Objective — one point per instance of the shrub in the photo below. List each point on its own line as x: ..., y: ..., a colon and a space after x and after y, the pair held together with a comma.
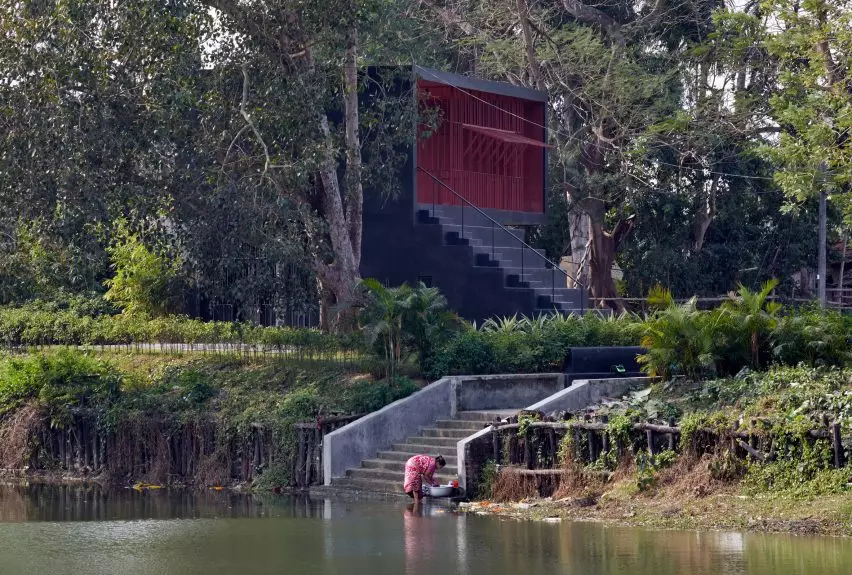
x: 401, y: 321
x: 366, y: 395
x: 679, y: 340
x: 62, y: 382
x: 813, y: 337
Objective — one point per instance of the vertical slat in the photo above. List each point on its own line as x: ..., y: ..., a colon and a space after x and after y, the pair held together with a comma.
x: 839, y: 456
x: 650, y: 436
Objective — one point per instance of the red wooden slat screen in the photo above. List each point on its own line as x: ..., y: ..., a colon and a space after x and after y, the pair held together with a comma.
x: 488, y: 172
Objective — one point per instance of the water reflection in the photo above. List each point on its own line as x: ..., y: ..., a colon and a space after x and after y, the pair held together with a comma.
x: 54, y: 531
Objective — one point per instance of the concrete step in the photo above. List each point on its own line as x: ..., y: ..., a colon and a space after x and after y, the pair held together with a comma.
x: 403, y: 456
x: 389, y: 475
x: 445, y: 432
x: 399, y: 466
x: 434, y: 441
x: 483, y: 234
x: 426, y: 448
x: 471, y: 425
x: 361, y: 484
x: 486, y: 416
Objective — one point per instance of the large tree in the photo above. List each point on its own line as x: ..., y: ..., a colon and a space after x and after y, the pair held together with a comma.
x: 229, y: 131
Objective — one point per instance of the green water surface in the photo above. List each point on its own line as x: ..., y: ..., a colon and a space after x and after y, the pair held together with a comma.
x: 53, y: 531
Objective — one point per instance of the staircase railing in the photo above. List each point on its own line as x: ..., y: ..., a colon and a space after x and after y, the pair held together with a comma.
x: 524, y: 246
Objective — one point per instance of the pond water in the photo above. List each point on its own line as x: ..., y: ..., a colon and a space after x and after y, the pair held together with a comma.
x: 51, y: 531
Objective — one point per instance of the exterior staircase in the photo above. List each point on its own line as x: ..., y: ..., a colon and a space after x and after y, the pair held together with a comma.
x: 525, y: 270
x: 385, y: 473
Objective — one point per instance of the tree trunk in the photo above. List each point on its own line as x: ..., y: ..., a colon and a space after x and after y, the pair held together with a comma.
x: 342, y: 275
x: 705, y: 214
x: 526, y: 29
x: 579, y: 229
x: 604, y: 246
x: 354, y: 189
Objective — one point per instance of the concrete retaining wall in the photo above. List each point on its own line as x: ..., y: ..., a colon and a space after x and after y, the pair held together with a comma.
x: 361, y: 439
x: 478, y: 393
x: 474, y: 451
x: 585, y: 392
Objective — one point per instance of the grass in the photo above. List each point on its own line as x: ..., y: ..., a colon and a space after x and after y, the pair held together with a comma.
x: 185, y: 399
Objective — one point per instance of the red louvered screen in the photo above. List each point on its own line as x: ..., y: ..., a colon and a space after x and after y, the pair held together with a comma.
x: 488, y: 147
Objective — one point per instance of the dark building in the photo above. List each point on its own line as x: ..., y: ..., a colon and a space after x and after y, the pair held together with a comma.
x: 469, y: 191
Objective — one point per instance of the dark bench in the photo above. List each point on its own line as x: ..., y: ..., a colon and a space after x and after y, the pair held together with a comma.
x: 601, y: 362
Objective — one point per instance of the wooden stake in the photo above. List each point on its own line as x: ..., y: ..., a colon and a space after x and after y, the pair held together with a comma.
x: 839, y: 456
x: 672, y: 443
x: 495, y: 444
x: 592, y: 441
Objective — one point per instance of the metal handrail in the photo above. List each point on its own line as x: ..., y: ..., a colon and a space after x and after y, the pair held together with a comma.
x: 494, y: 222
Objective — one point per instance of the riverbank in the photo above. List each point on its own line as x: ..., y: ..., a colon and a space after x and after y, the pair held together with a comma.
x: 727, y: 510
x: 765, y: 451
x: 194, y: 420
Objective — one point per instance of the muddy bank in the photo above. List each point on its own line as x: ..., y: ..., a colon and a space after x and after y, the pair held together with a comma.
x: 726, y: 509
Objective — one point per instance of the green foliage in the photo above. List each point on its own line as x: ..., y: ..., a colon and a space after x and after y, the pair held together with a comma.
x: 525, y: 345
x: 802, y: 470
x: 524, y: 422
x: 566, y: 449
x: 813, y: 337
x: 144, y: 282
x: 679, y: 340
x: 747, y: 331
x: 366, y: 395
x: 62, y: 383
x: 38, y: 324
x: 753, y: 318
x: 812, y: 44
x: 619, y: 428
x: 648, y: 466
x: 403, y: 320
x: 487, y: 481
x: 275, y: 476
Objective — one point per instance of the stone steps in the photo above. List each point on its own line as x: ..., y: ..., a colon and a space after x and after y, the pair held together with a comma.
x: 436, y: 442
x: 441, y: 432
x: 403, y: 456
x: 390, y: 475
x: 460, y: 424
x: 399, y: 466
x: 385, y: 472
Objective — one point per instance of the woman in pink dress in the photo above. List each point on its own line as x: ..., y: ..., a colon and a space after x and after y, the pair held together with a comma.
x: 418, y: 468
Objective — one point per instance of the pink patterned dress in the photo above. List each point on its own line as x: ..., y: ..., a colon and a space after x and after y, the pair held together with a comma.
x: 415, y: 468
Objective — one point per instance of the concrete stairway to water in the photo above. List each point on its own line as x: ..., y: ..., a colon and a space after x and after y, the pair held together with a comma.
x: 385, y: 473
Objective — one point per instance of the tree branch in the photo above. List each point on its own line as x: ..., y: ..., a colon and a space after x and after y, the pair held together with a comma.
x: 247, y: 117
x: 449, y: 18
x: 529, y: 44
x: 595, y: 17
x: 705, y: 215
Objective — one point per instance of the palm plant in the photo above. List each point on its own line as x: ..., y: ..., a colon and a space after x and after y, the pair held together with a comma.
x: 753, y: 317
x: 381, y: 319
x: 678, y: 338
x: 402, y: 318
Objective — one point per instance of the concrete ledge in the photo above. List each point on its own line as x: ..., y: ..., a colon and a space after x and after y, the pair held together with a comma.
x: 470, y: 452
x: 585, y: 392
x: 484, y: 392
x: 348, y: 446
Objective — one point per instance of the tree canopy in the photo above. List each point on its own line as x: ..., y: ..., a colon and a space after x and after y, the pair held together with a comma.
x: 691, y: 138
